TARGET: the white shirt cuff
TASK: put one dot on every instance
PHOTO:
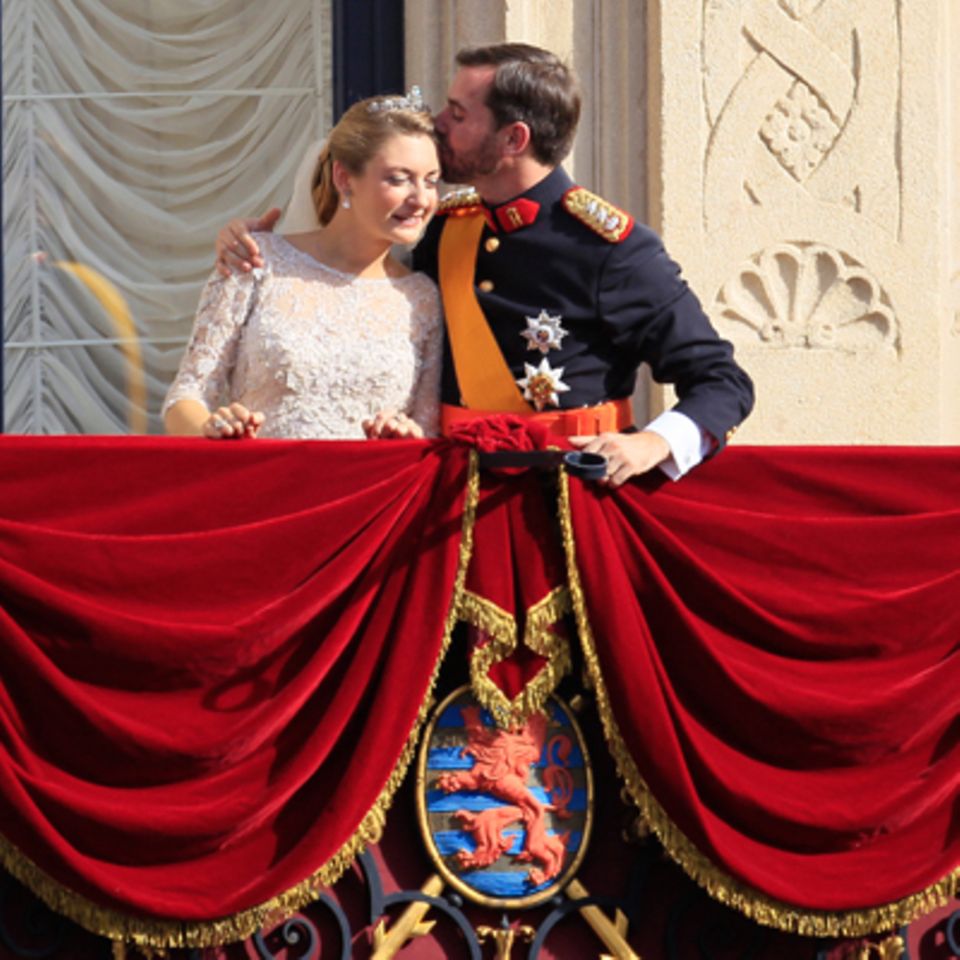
(688, 443)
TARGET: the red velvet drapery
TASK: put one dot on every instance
(782, 662)
(214, 659)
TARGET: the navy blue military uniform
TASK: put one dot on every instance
(621, 303)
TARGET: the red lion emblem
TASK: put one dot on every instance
(502, 762)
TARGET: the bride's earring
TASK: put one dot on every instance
(346, 201)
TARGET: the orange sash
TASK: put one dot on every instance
(485, 380)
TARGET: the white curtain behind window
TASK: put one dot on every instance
(133, 129)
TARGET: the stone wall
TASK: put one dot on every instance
(951, 431)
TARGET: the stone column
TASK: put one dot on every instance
(799, 177)
(952, 99)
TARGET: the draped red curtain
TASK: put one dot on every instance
(779, 639)
(214, 659)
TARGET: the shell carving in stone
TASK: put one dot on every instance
(808, 296)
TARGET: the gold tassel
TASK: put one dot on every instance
(501, 628)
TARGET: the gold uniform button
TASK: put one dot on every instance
(492, 244)
(486, 285)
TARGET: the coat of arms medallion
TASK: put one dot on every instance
(505, 814)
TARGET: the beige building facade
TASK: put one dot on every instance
(801, 159)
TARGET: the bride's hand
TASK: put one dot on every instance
(391, 425)
(232, 423)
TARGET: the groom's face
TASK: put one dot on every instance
(470, 148)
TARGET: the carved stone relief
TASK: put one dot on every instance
(801, 98)
(800, 183)
(807, 296)
(800, 131)
(798, 9)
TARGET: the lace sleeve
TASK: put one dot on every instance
(425, 408)
(208, 362)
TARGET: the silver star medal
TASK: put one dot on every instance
(542, 384)
(543, 333)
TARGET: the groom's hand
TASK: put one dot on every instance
(628, 454)
(236, 250)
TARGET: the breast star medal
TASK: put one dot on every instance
(542, 384)
(543, 332)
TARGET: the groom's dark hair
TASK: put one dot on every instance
(535, 87)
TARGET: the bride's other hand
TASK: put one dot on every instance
(391, 425)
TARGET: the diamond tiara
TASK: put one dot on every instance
(412, 101)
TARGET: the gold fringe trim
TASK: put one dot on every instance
(721, 886)
(152, 934)
(501, 628)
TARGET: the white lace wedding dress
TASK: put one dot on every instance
(315, 350)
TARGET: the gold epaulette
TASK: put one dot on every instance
(610, 222)
(459, 200)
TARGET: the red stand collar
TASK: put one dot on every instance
(516, 214)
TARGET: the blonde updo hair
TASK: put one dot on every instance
(356, 139)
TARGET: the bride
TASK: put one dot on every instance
(331, 328)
